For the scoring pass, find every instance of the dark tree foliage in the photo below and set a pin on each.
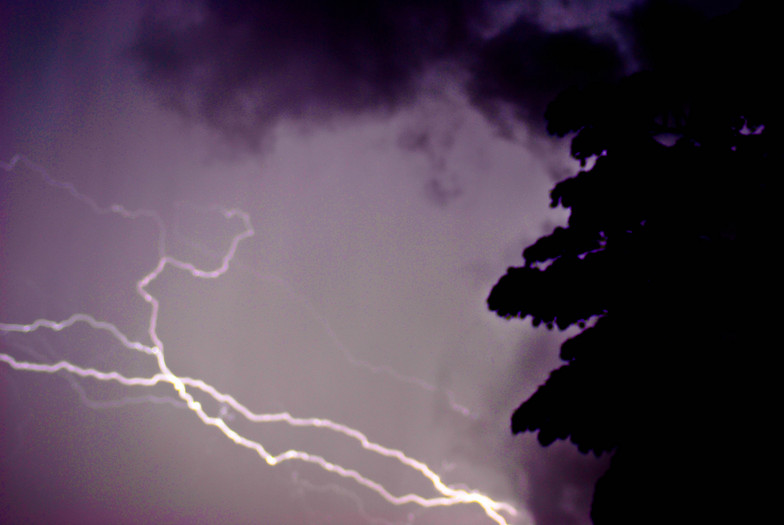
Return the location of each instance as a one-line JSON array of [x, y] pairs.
[[670, 258]]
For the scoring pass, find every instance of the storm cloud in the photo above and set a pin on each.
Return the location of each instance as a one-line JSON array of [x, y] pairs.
[[242, 67]]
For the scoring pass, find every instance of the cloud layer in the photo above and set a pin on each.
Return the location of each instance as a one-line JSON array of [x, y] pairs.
[[243, 67]]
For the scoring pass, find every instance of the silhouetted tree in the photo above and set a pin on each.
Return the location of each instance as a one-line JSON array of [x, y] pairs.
[[668, 263]]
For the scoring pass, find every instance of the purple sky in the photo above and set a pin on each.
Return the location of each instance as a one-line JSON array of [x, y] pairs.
[[391, 174]]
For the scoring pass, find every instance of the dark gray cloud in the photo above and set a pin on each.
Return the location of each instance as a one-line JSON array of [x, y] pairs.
[[526, 66], [241, 67], [244, 66]]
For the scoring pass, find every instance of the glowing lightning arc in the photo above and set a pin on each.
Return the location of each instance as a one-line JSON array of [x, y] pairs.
[[449, 495]]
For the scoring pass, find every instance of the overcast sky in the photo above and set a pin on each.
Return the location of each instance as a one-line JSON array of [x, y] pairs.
[[392, 162]]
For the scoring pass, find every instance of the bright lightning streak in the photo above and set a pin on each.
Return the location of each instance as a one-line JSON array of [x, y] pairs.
[[449, 495]]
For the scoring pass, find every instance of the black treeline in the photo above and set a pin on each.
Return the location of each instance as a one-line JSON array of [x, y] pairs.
[[671, 257]]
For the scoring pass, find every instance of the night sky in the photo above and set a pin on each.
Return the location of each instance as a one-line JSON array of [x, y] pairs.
[[392, 161]]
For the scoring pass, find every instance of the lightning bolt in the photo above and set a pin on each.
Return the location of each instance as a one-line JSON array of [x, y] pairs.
[[185, 386]]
